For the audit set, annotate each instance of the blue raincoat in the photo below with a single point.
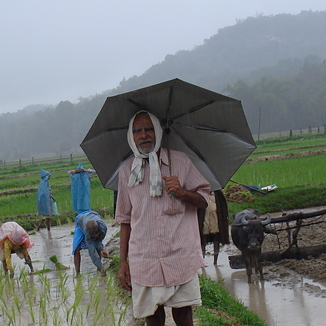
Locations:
(80, 190)
(44, 195)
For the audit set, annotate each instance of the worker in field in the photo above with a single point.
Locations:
(14, 239)
(46, 203)
(90, 229)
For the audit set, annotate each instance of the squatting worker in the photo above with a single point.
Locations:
(90, 230)
(160, 251)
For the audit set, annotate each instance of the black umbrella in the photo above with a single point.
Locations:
(209, 127)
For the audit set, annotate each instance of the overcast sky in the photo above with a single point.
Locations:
(53, 50)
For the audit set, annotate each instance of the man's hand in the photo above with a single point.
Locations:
(104, 254)
(173, 186)
(124, 276)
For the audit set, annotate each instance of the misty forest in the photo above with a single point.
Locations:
(275, 65)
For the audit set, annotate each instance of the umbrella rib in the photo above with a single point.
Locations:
(194, 109)
(184, 124)
(117, 128)
(191, 147)
(196, 152)
(170, 101)
(127, 155)
(137, 104)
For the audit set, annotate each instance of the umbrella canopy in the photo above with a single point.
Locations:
(44, 194)
(209, 127)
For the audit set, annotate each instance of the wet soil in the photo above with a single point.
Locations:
(309, 235)
(293, 291)
(312, 233)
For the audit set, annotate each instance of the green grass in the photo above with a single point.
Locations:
(301, 181)
(219, 308)
(286, 198)
(284, 172)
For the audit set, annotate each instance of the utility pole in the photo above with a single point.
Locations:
(259, 121)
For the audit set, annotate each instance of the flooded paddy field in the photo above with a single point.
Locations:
(57, 297)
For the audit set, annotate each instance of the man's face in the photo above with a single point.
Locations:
(144, 134)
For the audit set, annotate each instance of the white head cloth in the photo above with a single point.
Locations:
(137, 169)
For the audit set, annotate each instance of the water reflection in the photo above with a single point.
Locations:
(57, 242)
(57, 297)
(271, 300)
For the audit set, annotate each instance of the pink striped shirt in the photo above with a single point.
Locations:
(163, 249)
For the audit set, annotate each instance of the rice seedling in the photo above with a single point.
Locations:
(31, 307)
(17, 302)
(10, 314)
(87, 310)
(44, 298)
(24, 282)
(82, 301)
(79, 292)
(3, 302)
(62, 287)
(57, 320)
(57, 264)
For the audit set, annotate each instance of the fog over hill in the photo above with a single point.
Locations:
(273, 64)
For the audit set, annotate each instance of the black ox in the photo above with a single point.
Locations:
(248, 232)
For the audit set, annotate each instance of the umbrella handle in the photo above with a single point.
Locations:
(169, 159)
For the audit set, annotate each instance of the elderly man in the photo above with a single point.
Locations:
(90, 230)
(160, 251)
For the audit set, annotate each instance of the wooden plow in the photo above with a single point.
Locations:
(289, 225)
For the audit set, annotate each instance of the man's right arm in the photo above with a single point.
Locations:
(124, 272)
(93, 253)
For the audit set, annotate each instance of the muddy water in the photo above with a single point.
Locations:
(274, 302)
(98, 302)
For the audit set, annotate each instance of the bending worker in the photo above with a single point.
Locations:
(90, 230)
(14, 239)
(159, 192)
